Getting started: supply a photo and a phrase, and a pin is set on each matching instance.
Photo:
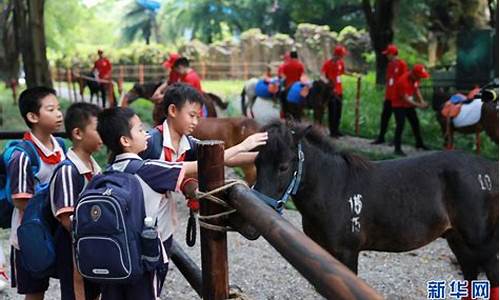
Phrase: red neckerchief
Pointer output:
(51, 159)
(88, 176)
(169, 153)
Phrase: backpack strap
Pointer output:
(155, 144)
(133, 166)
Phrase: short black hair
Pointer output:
(30, 101)
(112, 124)
(183, 61)
(78, 116)
(294, 54)
(178, 94)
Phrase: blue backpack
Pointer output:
(107, 226)
(38, 225)
(27, 147)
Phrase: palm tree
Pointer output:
(140, 19)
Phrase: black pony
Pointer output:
(94, 87)
(349, 204)
(147, 89)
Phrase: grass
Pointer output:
(370, 109)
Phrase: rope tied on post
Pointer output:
(202, 220)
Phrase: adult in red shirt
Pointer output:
(408, 97)
(286, 58)
(291, 72)
(332, 70)
(187, 74)
(168, 64)
(395, 68)
(102, 69)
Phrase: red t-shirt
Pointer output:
(292, 70)
(173, 77)
(192, 79)
(103, 66)
(405, 86)
(395, 69)
(333, 70)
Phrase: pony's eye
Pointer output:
(283, 167)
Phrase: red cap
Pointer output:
(391, 49)
(420, 71)
(339, 50)
(172, 58)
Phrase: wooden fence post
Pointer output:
(68, 79)
(141, 74)
(214, 264)
(356, 108)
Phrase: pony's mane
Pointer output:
(319, 140)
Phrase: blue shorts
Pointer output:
(22, 279)
(65, 269)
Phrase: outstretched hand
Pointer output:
(254, 141)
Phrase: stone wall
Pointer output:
(255, 51)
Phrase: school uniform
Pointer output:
(156, 179)
(22, 185)
(333, 70)
(187, 152)
(66, 186)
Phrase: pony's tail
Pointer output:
(223, 105)
(243, 105)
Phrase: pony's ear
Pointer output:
(298, 134)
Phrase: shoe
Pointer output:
(399, 152)
(377, 142)
(422, 147)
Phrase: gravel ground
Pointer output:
(262, 273)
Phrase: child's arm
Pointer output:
(250, 143)
(22, 181)
(243, 158)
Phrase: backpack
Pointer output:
(155, 146)
(107, 227)
(27, 147)
(35, 234)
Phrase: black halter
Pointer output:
(292, 188)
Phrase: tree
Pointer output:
(140, 20)
(380, 19)
(30, 35)
(9, 50)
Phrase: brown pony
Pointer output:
(487, 123)
(147, 89)
(232, 131)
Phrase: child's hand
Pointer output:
(253, 141)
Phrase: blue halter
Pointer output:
(292, 188)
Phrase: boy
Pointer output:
(39, 108)
(124, 135)
(187, 74)
(69, 180)
(182, 105)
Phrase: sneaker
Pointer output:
(399, 152)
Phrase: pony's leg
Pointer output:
(466, 258)
(251, 104)
(491, 270)
(478, 139)
(349, 257)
